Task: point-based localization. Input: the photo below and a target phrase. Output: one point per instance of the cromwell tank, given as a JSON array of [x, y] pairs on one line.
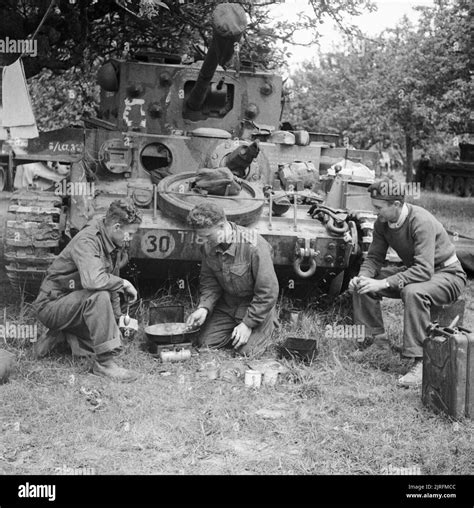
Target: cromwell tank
[[159, 122], [450, 176]]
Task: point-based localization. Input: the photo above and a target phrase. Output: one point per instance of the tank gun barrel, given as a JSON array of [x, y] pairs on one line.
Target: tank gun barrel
[[229, 21]]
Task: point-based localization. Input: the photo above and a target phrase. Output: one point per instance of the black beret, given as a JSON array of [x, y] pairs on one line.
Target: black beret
[[388, 190]]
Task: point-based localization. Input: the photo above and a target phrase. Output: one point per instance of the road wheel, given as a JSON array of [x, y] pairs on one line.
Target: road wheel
[[429, 182], [469, 188], [459, 185], [438, 183], [448, 184]]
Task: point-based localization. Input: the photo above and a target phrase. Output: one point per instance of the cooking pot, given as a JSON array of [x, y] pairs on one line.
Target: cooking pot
[[171, 333]]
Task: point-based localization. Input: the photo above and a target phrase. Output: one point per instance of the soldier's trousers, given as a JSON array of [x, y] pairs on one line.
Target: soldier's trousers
[[87, 314], [217, 332], [443, 288]]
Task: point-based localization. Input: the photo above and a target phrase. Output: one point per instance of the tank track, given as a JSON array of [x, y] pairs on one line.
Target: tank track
[[33, 231]]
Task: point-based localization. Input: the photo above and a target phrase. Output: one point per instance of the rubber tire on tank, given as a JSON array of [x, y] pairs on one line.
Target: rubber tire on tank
[[448, 184], [438, 183], [429, 182], [170, 205], [459, 186], [469, 188]]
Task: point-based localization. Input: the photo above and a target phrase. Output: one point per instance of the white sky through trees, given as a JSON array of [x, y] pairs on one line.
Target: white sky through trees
[[387, 15]]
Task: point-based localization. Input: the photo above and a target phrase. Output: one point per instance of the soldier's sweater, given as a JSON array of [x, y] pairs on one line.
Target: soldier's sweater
[[421, 242]]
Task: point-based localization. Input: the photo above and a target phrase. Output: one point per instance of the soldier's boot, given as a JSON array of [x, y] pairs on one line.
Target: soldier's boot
[[46, 342], [379, 348], [413, 377], [109, 369]]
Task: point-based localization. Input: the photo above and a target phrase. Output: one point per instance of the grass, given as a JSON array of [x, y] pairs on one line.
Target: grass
[[455, 214], [334, 416]]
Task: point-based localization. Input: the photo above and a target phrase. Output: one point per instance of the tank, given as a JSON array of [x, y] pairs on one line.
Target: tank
[[161, 120], [450, 176]]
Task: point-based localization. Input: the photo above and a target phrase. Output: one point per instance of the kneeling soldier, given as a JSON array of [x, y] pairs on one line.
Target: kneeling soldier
[[80, 293], [432, 274], [238, 284]]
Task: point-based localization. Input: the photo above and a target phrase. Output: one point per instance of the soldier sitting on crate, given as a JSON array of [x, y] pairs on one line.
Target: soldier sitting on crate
[[80, 293], [238, 284], [432, 274]]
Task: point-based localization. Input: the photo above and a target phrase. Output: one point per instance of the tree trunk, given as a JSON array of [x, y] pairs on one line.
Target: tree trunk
[[409, 157]]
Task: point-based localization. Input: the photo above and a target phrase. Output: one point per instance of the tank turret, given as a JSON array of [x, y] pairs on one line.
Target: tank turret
[[157, 93]]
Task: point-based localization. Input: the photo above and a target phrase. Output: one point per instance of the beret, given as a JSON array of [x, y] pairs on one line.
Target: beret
[[387, 190]]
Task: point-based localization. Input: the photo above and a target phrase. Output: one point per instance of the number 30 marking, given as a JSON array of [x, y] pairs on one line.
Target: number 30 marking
[[158, 245]]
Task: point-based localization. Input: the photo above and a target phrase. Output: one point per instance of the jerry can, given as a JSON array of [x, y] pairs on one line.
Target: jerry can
[[448, 371]]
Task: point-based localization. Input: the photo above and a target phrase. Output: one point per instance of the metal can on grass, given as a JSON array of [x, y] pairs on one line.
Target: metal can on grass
[[253, 378], [270, 377]]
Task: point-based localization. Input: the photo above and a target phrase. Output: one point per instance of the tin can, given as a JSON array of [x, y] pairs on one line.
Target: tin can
[[270, 377], [175, 356], [210, 370], [253, 378], [212, 373]]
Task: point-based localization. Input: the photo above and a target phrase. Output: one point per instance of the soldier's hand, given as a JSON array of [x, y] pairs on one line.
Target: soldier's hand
[[122, 257], [354, 282], [240, 334], [368, 285], [130, 290], [197, 318]]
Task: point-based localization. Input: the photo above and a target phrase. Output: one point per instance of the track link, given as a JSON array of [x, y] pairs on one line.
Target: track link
[[33, 232]]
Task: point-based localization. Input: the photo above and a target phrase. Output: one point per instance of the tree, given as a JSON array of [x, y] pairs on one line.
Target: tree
[[78, 35], [407, 85], [332, 94], [427, 75], [102, 27]]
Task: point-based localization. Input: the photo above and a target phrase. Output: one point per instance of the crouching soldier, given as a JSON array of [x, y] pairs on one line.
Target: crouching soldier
[[238, 284], [432, 274], [80, 293]]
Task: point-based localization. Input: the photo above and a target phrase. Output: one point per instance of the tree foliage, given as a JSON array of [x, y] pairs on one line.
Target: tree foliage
[[407, 86], [78, 35], [101, 28]]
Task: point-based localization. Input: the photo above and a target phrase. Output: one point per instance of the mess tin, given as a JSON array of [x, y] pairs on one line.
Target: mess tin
[[171, 333]]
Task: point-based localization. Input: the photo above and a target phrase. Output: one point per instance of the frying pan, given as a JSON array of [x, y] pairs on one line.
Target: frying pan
[[171, 333]]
